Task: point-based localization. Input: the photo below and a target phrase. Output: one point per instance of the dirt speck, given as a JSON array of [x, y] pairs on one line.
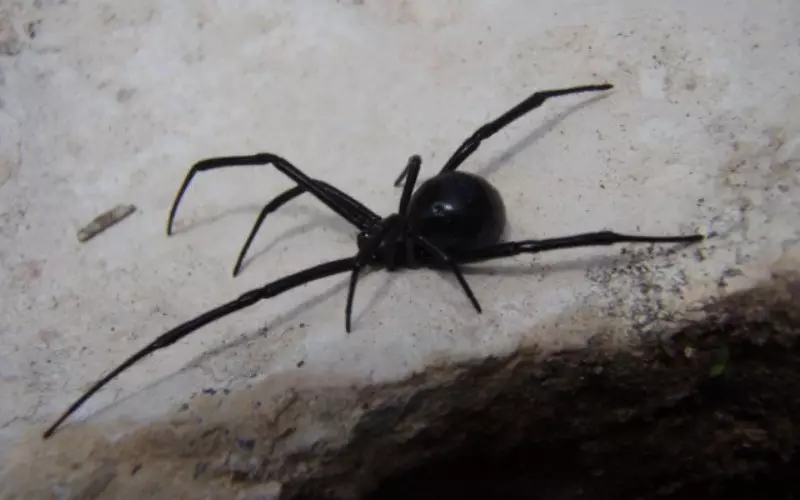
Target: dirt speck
[[8, 167], [125, 94], [94, 484], [11, 42], [32, 28]]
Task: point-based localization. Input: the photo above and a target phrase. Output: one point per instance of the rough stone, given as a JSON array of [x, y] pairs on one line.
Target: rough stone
[[591, 420], [111, 103]]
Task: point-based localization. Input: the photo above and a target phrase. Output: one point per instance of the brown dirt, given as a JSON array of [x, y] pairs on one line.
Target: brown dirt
[[710, 413], [709, 410]]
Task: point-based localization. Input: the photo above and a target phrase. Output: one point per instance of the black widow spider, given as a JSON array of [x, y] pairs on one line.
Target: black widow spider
[[453, 218]]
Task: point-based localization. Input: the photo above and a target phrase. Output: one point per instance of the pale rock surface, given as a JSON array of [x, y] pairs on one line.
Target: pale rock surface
[[111, 102]]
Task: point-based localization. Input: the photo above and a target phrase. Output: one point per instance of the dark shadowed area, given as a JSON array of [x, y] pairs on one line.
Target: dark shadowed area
[[710, 413]]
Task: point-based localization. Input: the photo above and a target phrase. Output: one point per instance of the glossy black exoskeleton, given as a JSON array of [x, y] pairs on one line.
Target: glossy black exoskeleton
[[458, 212], [453, 218]]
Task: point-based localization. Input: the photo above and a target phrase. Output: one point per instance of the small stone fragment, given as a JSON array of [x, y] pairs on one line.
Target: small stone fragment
[[93, 485], [104, 221], [721, 364], [32, 28], [199, 469], [11, 43], [267, 491], [246, 444]]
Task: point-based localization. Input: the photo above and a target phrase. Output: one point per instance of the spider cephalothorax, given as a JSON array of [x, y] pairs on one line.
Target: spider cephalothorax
[[454, 218]]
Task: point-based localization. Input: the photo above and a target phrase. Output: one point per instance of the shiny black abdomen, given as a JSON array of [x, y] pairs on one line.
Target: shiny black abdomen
[[458, 211]]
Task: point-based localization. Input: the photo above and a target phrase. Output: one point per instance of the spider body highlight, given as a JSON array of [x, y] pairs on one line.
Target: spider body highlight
[[452, 219], [458, 211], [455, 211]]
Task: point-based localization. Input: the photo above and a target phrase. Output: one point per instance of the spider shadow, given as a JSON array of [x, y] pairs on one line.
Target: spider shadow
[[319, 220], [331, 221], [536, 134], [539, 269], [292, 314], [272, 325], [197, 361], [186, 226], [379, 295], [337, 223], [532, 269], [383, 289], [492, 166]]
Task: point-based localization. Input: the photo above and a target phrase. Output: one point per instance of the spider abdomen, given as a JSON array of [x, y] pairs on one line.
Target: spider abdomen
[[458, 212]]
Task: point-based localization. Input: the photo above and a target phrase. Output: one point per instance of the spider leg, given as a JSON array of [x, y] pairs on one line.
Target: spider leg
[[489, 129], [270, 207], [331, 201], [388, 228], [413, 168], [247, 299], [600, 238], [358, 214], [446, 261]]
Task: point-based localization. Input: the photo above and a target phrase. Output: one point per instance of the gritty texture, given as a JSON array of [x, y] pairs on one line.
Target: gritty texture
[[111, 102], [673, 415]]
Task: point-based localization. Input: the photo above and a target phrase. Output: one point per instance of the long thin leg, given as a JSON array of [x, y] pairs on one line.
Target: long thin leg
[[446, 261], [245, 300], [270, 207], [388, 228], [360, 215], [330, 200], [599, 238], [489, 129], [413, 168]]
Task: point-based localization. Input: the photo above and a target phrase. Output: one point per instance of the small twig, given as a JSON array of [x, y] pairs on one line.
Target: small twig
[[104, 221]]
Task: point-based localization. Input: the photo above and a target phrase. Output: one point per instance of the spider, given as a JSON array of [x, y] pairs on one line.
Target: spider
[[453, 218]]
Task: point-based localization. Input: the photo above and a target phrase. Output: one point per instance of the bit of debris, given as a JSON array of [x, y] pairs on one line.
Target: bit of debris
[[11, 43], [104, 221], [199, 469], [210, 391], [721, 364], [246, 444], [32, 28]]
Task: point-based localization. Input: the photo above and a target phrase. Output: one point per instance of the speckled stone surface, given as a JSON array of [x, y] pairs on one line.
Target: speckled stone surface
[[102, 104]]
